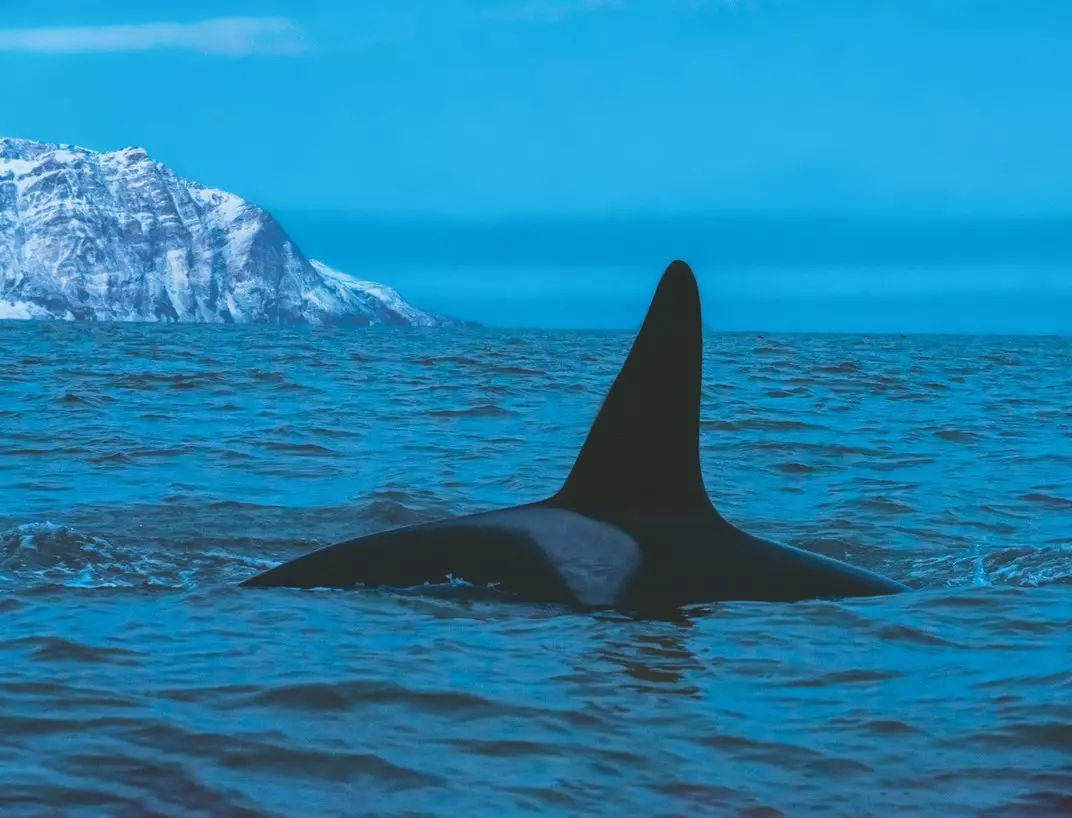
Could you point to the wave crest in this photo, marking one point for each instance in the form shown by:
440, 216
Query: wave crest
43, 554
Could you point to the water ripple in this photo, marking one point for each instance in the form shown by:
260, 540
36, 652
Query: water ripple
146, 470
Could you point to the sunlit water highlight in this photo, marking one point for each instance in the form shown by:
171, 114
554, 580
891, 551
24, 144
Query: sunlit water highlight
145, 470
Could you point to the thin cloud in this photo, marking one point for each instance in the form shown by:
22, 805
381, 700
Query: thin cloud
226, 37
551, 12
747, 5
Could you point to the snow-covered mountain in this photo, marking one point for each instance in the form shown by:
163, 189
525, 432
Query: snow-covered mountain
116, 236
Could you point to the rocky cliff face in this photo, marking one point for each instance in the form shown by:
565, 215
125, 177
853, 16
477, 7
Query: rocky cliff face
118, 237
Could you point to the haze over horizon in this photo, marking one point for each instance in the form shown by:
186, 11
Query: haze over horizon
881, 166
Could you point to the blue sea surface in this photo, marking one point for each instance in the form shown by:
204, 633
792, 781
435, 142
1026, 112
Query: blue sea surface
145, 470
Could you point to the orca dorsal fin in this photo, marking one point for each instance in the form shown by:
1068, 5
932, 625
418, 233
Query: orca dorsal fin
642, 452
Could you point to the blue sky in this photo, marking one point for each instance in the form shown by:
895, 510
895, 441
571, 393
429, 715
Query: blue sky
479, 152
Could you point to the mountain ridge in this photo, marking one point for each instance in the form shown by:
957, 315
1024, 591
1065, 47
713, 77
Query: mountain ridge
117, 236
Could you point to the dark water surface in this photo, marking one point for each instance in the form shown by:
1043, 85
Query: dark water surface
144, 470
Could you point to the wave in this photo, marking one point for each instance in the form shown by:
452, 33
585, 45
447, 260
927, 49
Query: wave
44, 554
760, 424
1049, 501
1018, 566
308, 449
487, 410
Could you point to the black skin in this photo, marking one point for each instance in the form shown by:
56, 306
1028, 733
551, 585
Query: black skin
685, 560
409, 557
639, 471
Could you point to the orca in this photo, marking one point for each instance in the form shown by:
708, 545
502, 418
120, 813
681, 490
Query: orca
632, 527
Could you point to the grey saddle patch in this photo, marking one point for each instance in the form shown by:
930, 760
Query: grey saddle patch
595, 560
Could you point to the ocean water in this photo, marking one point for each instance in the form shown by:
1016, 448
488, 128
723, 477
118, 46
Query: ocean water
145, 470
